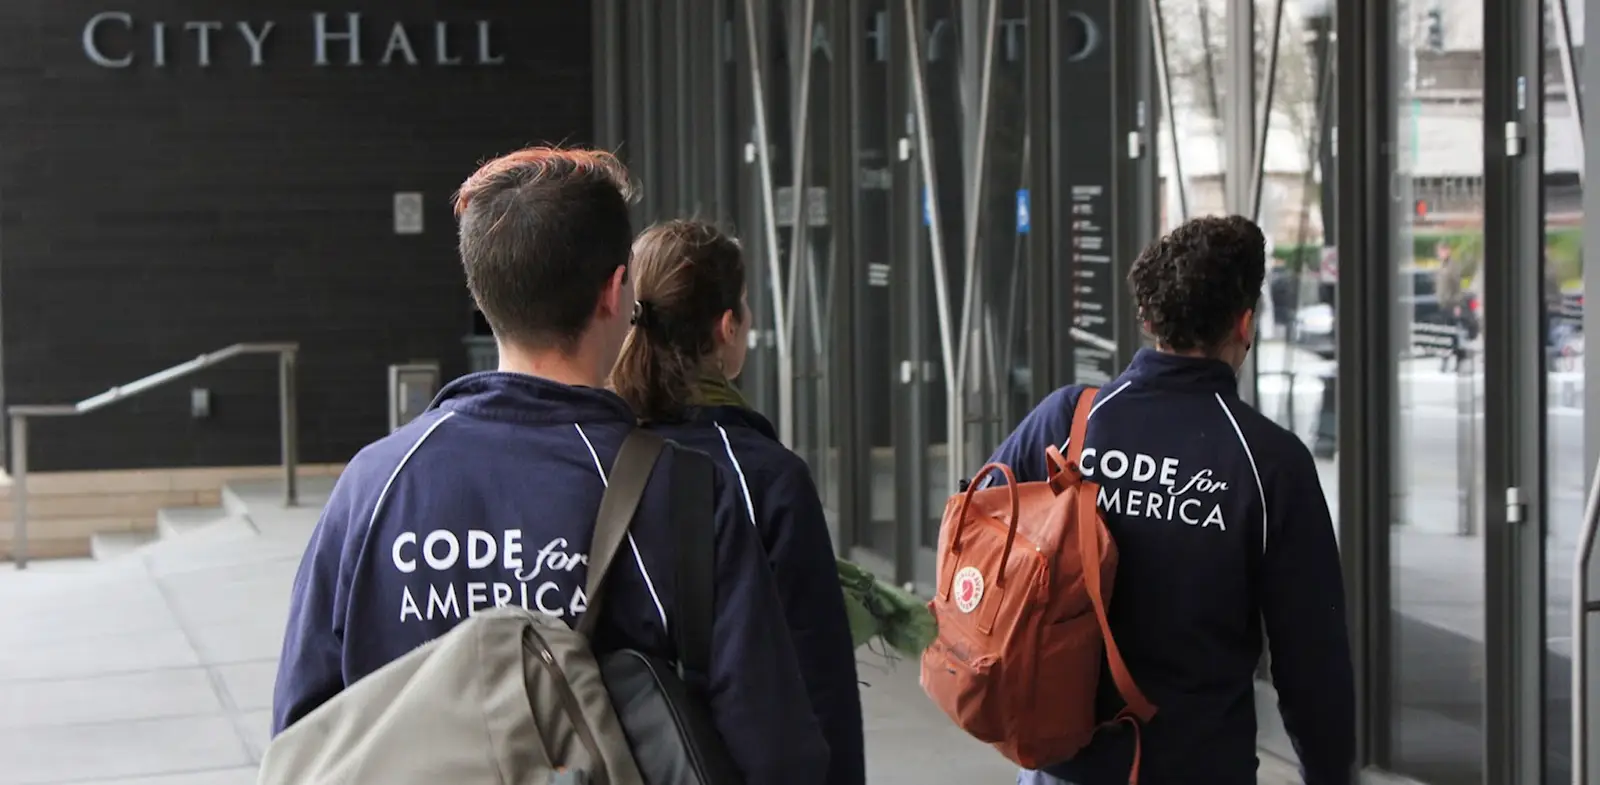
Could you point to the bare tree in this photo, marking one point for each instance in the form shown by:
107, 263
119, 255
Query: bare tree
1196, 32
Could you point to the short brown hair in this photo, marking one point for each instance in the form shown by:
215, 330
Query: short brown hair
541, 232
687, 274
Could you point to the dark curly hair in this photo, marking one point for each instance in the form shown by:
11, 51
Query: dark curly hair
1194, 283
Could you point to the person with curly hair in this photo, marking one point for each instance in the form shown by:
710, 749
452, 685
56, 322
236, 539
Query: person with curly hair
1223, 532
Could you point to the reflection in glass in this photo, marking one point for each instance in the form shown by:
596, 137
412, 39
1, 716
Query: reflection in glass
1436, 563
1192, 175
1295, 359
1566, 469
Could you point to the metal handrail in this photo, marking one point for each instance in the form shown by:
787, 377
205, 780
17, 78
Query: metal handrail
288, 421
1582, 608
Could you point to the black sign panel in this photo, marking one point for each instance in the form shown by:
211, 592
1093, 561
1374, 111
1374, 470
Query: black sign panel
1094, 285
1086, 280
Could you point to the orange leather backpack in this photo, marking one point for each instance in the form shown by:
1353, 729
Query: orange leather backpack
1024, 575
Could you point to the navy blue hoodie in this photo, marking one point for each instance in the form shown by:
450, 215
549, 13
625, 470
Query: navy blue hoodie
490, 498
782, 500
1221, 524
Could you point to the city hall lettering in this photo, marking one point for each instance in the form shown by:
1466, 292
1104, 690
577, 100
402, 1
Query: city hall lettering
513, 575
1177, 494
115, 39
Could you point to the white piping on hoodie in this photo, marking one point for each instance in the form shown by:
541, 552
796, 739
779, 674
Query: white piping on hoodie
738, 469
384, 494
637, 558
1253, 470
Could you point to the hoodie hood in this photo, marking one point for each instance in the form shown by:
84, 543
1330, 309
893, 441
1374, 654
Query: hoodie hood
515, 397
734, 416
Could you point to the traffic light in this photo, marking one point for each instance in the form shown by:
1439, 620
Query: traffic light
1421, 208
1434, 29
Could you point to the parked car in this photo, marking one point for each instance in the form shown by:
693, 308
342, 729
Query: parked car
1315, 324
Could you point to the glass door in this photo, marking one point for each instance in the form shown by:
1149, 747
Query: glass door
1568, 461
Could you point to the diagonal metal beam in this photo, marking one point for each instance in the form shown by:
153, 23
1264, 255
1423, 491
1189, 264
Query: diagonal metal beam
1569, 73
1158, 32
769, 210
1260, 173
1213, 92
980, 164
800, 108
930, 184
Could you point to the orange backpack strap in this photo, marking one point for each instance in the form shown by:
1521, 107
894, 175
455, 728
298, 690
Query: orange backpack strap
1080, 423
1060, 469
1091, 551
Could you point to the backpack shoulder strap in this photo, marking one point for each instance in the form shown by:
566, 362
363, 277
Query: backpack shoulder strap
1080, 423
1091, 551
694, 520
636, 460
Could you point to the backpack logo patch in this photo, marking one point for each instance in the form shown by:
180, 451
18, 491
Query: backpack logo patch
969, 589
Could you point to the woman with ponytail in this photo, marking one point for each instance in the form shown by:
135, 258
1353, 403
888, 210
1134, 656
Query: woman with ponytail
691, 330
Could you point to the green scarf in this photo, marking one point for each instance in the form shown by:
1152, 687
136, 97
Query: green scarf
713, 389
876, 609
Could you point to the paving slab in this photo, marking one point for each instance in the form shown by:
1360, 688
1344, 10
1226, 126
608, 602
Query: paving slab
157, 668
152, 694
107, 750
248, 685
85, 657
234, 776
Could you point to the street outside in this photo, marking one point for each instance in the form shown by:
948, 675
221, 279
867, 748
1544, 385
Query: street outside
1437, 552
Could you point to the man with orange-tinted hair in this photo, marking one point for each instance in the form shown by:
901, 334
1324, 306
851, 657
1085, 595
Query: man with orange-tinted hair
490, 497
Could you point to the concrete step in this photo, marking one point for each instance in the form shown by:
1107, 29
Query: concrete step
178, 521
253, 499
109, 545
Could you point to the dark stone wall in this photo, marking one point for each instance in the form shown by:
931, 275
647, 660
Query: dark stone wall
154, 212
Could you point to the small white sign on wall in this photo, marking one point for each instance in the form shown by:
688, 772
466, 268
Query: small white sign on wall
407, 212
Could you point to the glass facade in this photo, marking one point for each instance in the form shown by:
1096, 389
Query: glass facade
940, 198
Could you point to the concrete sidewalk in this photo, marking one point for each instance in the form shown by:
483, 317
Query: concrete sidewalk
156, 668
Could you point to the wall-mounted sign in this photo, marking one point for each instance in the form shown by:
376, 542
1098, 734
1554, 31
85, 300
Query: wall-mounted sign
407, 212
116, 39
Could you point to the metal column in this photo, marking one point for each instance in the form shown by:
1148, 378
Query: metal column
1514, 392
608, 71
1135, 182
1368, 391
1040, 171
854, 484
1239, 139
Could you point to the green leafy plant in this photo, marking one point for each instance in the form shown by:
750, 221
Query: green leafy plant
884, 612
